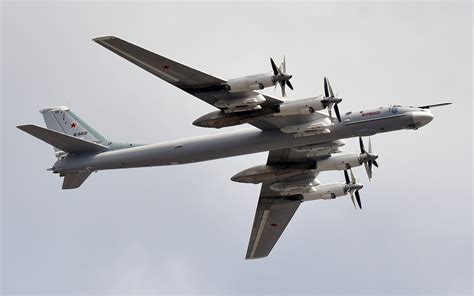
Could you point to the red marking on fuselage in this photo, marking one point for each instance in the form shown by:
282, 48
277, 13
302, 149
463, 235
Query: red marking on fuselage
370, 113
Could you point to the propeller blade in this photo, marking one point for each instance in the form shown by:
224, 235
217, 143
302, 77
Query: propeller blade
346, 175
338, 115
370, 146
375, 163
369, 173
353, 202
361, 145
274, 67
289, 84
326, 89
358, 199
284, 64
283, 92
353, 179
329, 88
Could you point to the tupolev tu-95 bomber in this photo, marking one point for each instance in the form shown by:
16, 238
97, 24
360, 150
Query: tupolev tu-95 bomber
304, 137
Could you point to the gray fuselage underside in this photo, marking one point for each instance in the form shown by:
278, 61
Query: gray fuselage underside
233, 143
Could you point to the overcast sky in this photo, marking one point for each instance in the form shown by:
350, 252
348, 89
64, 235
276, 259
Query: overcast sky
185, 229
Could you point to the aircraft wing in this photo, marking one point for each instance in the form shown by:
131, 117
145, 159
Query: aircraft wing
206, 87
271, 218
274, 211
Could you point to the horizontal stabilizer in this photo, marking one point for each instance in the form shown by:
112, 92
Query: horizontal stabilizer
74, 180
61, 141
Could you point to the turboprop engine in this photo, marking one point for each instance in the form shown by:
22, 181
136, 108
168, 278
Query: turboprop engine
250, 107
308, 129
261, 81
325, 191
295, 187
339, 162
345, 161
333, 190
316, 150
298, 107
241, 104
254, 82
310, 189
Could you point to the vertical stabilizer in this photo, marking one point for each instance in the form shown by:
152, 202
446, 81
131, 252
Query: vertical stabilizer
63, 120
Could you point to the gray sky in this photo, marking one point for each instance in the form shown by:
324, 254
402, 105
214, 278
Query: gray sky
185, 229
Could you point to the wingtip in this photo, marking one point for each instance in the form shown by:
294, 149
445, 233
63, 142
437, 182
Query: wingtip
255, 257
23, 126
103, 38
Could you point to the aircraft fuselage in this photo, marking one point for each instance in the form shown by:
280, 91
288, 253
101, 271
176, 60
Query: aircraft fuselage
245, 141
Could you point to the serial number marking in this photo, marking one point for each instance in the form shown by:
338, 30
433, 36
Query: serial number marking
80, 134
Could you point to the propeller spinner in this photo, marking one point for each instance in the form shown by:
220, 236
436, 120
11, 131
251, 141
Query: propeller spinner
367, 157
353, 188
330, 100
280, 76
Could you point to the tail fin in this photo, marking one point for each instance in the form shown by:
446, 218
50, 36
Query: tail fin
63, 120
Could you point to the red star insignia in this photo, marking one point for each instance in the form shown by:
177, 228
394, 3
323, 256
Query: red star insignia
273, 224
73, 125
166, 67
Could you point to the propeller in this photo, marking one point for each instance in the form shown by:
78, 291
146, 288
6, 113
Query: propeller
367, 157
353, 188
280, 76
330, 100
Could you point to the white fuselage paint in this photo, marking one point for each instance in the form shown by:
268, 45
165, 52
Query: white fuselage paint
245, 141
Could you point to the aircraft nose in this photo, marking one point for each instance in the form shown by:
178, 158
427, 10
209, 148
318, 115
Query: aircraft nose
421, 118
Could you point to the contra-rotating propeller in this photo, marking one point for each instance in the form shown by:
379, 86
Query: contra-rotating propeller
280, 76
367, 157
353, 188
330, 100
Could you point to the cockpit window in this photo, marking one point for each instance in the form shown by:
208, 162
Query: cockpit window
348, 113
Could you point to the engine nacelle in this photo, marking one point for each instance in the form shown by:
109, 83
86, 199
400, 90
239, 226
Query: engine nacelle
299, 107
325, 191
339, 162
321, 149
296, 187
241, 104
254, 82
308, 129
272, 173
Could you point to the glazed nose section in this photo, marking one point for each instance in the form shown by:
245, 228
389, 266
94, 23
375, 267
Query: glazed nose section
421, 118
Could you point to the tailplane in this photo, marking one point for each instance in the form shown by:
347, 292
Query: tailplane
60, 141
68, 134
74, 180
